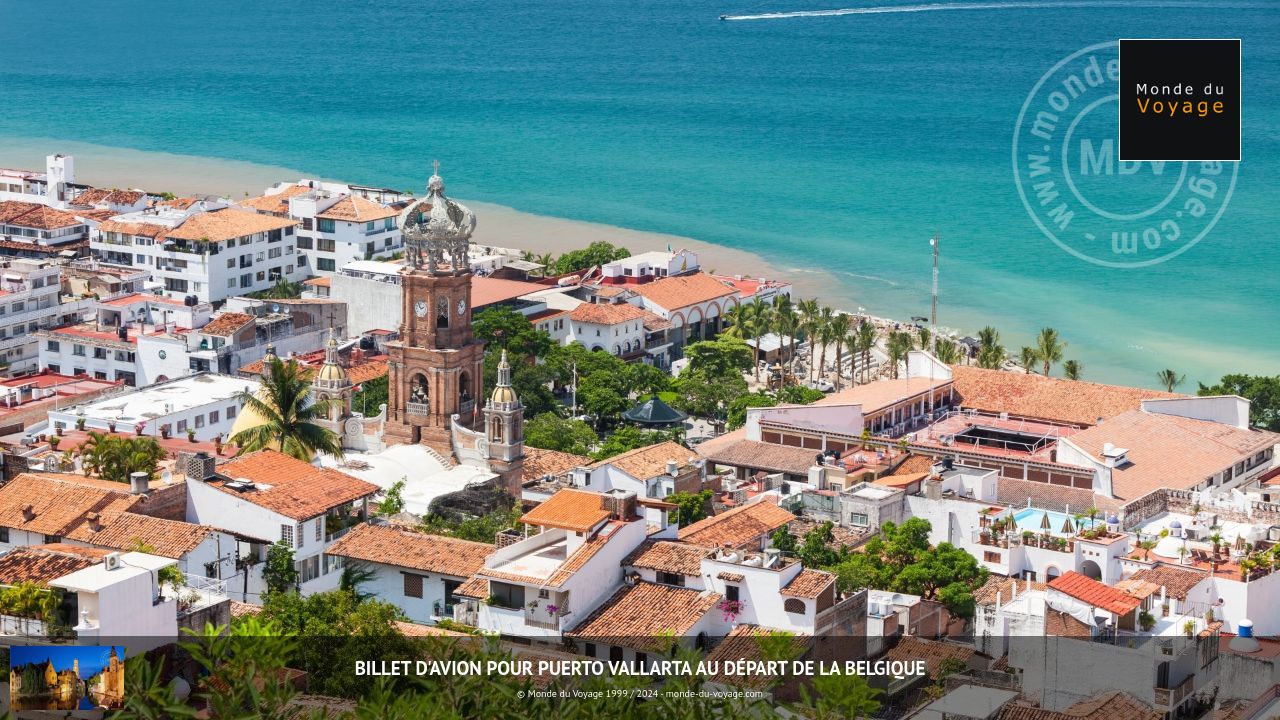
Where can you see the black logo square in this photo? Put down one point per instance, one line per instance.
(1179, 100)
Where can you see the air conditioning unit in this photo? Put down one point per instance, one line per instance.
(112, 561)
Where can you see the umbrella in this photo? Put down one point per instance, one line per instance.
(1067, 527)
(1044, 522)
(1240, 543)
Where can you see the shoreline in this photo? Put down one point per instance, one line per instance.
(507, 227)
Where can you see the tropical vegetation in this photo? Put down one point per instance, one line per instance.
(289, 417)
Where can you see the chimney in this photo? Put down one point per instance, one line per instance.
(199, 466)
(621, 503)
(933, 488)
(28, 513)
(95, 521)
(138, 483)
(673, 468)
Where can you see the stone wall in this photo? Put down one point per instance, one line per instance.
(168, 502)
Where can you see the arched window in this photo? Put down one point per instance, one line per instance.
(442, 312)
(495, 429)
(794, 605)
(464, 387)
(419, 390)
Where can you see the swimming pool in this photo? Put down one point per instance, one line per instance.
(1033, 519)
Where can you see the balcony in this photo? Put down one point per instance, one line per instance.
(415, 408)
(1173, 697)
(196, 593)
(466, 407)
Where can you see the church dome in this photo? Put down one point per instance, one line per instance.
(332, 372)
(503, 393)
(437, 229)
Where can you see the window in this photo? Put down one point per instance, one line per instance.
(991, 557)
(275, 252)
(4, 534)
(77, 350)
(286, 532)
(246, 280)
(199, 421)
(274, 236)
(18, 307)
(324, 245)
(589, 649)
(615, 654)
(667, 578)
(389, 224)
(544, 594)
(309, 569)
(302, 538)
(306, 224)
(319, 528)
(641, 659)
(794, 605)
(412, 585)
(368, 227)
(214, 416)
(54, 368)
(859, 519)
(53, 346)
(231, 282)
(182, 426)
(231, 412)
(304, 243)
(99, 375)
(506, 595)
(327, 264)
(52, 539)
(324, 225)
(731, 592)
(231, 262)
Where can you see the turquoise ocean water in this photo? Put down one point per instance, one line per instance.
(822, 143)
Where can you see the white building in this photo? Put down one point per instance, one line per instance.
(267, 497)
(204, 250)
(615, 328)
(205, 405)
(30, 228)
(338, 226)
(31, 301)
(416, 572)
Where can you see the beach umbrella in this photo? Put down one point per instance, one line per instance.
(1240, 544)
(1044, 522)
(1067, 527)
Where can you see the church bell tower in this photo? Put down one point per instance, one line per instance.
(437, 366)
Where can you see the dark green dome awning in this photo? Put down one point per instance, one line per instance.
(654, 412)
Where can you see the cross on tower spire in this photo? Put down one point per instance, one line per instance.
(435, 167)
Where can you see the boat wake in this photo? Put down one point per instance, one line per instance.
(932, 7)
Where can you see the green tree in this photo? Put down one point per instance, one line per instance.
(786, 322)
(948, 352)
(692, 507)
(1170, 379)
(1071, 369)
(530, 379)
(900, 344)
(798, 395)
(839, 697)
(783, 541)
(724, 357)
(736, 414)
(817, 550)
(1028, 358)
(626, 438)
(355, 574)
(1262, 391)
(282, 290)
(393, 501)
(751, 321)
(371, 396)
(279, 572)
(596, 254)
(990, 352)
(705, 395)
(290, 419)
(479, 529)
(644, 379)
(549, 431)
(503, 328)
(116, 457)
(826, 331)
(1049, 347)
(864, 343)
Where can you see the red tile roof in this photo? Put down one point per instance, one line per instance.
(738, 526)
(1177, 581)
(226, 224)
(1046, 398)
(354, 208)
(637, 616)
(277, 202)
(569, 509)
(226, 324)
(933, 652)
(809, 583)
(414, 550)
(673, 293)
(668, 556)
(606, 314)
(1116, 705)
(651, 460)
(291, 487)
(35, 215)
(1090, 591)
(490, 290)
(42, 564)
(539, 463)
(42, 504)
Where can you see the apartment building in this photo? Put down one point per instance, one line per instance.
(338, 225)
(206, 251)
(31, 301)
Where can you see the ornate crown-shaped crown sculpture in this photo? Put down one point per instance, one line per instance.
(437, 230)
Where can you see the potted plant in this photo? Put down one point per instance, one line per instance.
(731, 609)
(491, 600)
(53, 442)
(80, 423)
(1028, 536)
(111, 426)
(165, 430)
(217, 443)
(1164, 610)
(138, 428)
(1146, 621)
(532, 605)
(1208, 616)
(1189, 627)
(191, 435)
(553, 610)
(58, 429)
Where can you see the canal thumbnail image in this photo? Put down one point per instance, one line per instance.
(66, 677)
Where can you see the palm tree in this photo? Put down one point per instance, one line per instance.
(289, 421)
(546, 260)
(809, 311)
(1170, 379)
(1028, 358)
(1146, 546)
(751, 321)
(787, 323)
(1050, 347)
(990, 351)
(900, 343)
(1071, 369)
(824, 331)
(865, 342)
(947, 352)
(838, 333)
(355, 574)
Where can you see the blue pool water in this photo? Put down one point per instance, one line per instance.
(1031, 519)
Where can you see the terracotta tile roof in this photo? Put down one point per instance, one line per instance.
(1048, 496)
(1167, 451)
(637, 615)
(476, 587)
(915, 464)
(809, 583)
(226, 224)
(901, 481)
(354, 208)
(275, 203)
(738, 526)
(546, 315)
(602, 314)
(180, 203)
(654, 322)
(1116, 705)
(55, 506)
(142, 229)
(42, 564)
(1177, 581)
(757, 455)
(414, 550)
(1087, 590)
(911, 648)
(742, 644)
(731, 577)
(1137, 587)
(539, 463)
(490, 290)
(569, 509)
(882, 394)
(668, 556)
(226, 324)
(650, 460)
(319, 282)
(35, 215)
(673, 293)
(998, 584)
(582, 555)
(368, 367)
(123, 531)
(98, 196)
(141, 298)
(1046, 398)
(291, 487)
(239, 609)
